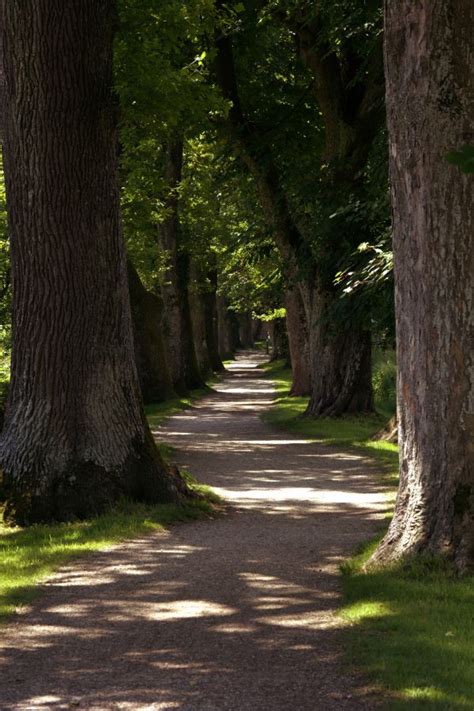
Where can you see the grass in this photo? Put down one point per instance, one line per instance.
(157, 413)
(412, 632)
(411, 627)
(348, 432)
(28, 556)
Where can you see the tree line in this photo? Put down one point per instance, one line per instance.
(171, 170)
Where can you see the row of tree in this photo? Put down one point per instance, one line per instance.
(246, 147)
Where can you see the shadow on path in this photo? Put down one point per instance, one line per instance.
(236, 613)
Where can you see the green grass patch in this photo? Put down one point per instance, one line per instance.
(412, 632)
(157, 413)
(348, 432)
(28, 556)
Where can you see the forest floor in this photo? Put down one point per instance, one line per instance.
(236, 613)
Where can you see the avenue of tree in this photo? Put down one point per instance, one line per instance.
(184, 178)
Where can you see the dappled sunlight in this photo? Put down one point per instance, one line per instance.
(180, 609)
(315, 498)
(215, 609)
(358, 612)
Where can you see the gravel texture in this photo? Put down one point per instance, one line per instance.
(235, 613)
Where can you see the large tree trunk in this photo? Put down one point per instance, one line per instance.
(341, 362)
(226, 343)
(182, 354)
(150, 347)
(430, 99)
(75, 437)
(297, 329)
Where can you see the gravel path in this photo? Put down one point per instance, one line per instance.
(236, 613)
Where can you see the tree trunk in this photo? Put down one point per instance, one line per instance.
(236, 343)
(210, 315)
(75, 437)
(224, 330)
(279, 339)
(182, 354)
(199, 329)
(430, 103)
(257, 326)
(297, 329)
(346, 368)
(246, 332)
(341, 363)
(150, 348)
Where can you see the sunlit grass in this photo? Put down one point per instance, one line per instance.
(412, 632)
(28, 556)
(158, 412)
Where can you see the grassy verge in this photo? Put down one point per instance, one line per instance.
(411, 628)
(157, 413)
(412, 632)
(349, 432)
(28, 556)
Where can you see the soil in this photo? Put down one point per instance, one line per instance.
(235, 613)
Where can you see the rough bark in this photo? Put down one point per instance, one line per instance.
(348, 90)
(2, 75)
(298, 343)
(75, 437)
(430, 104)
(340, 356)
(148, 335)
(341, 362)
(182, 354)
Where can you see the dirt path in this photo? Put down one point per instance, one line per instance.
(234, 614)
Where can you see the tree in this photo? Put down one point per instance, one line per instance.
(148, 335)
(302, 198)
(430, 104)
(75, 437)
(183, 358)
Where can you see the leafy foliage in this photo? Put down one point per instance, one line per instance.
(463, 158)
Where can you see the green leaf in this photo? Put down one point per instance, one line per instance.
(463, 158)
